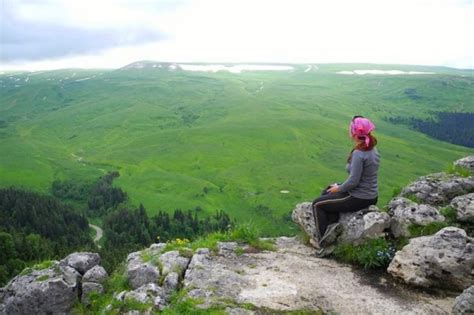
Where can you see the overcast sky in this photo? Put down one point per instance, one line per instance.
(49, 34)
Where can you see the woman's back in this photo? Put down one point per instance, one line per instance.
(365, 163)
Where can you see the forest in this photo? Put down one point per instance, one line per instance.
(452, 127)
(36, 227)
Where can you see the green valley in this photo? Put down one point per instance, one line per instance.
(253, 143)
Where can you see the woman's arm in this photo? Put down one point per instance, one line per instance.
(357, 165)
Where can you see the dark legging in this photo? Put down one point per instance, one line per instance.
(327, 207)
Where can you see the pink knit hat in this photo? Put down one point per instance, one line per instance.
(360, 127)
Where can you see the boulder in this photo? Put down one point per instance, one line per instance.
(97, 274)
(439, 189)
(211, 278)
(364, 224)
(82, 262)
(173, 262)
(357, 226)
(148, 293)
(139, 272)
(303, 216)
(445, 259)
(88, 288)
(171, 283)
(464, 206)
(464, 304)
(405, 212)
(44, 291)
(226, 248)
(467, 162)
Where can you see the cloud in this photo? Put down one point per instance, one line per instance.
(33, 30)
(112, 33)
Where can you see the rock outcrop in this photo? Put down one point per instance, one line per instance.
(467, 162)
(357, 226)
(445, 259)
(405, 212)
(464, 304)
(154, 275)
(291, 278)
(50, 288)
(438, 189)
(464, 206)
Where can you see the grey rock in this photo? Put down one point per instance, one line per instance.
(466, 162)
(357, 226)
(157, 247)
(82, 262)
(173, 262)
(209, 279)
(120, 296)
(406, 212)
(238, 311)
(303, 216)
(171, 283)
(139, 272)
(226, 248)
(148, 293)
(445, 259)
(440, 188)
(97, 274)
(364, 224)
(202, 251)
(88, 288)
(70, 274)
(464, 206)
(41, 292)
(464, 303)
(291, 278)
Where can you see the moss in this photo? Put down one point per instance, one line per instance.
(26, 271)
(42, 278)
(43, 265)
(413, 198)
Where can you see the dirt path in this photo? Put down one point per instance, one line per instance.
(98, 233)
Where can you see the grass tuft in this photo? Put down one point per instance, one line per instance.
(458, 170)
(423, 230)
(374, 253)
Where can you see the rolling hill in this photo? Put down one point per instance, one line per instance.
(252, 143)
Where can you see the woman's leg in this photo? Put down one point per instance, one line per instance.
(333, 206)
(323, 219)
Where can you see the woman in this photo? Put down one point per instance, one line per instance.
(357, 192)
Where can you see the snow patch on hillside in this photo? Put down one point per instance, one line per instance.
(383, 72)
(234, 68)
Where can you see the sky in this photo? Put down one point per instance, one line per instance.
(53, 34)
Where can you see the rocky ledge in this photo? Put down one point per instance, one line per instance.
(286, 279)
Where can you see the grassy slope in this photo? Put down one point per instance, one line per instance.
(173, 133)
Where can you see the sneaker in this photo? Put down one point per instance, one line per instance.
(314, 243)
(323, 252)
(330, 237)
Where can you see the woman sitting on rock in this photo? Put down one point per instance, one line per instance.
(358, 191)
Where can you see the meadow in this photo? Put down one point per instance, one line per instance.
(221, 141)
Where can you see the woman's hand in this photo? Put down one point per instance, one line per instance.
(334, 189)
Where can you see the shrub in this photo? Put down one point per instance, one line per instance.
(374, 253)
